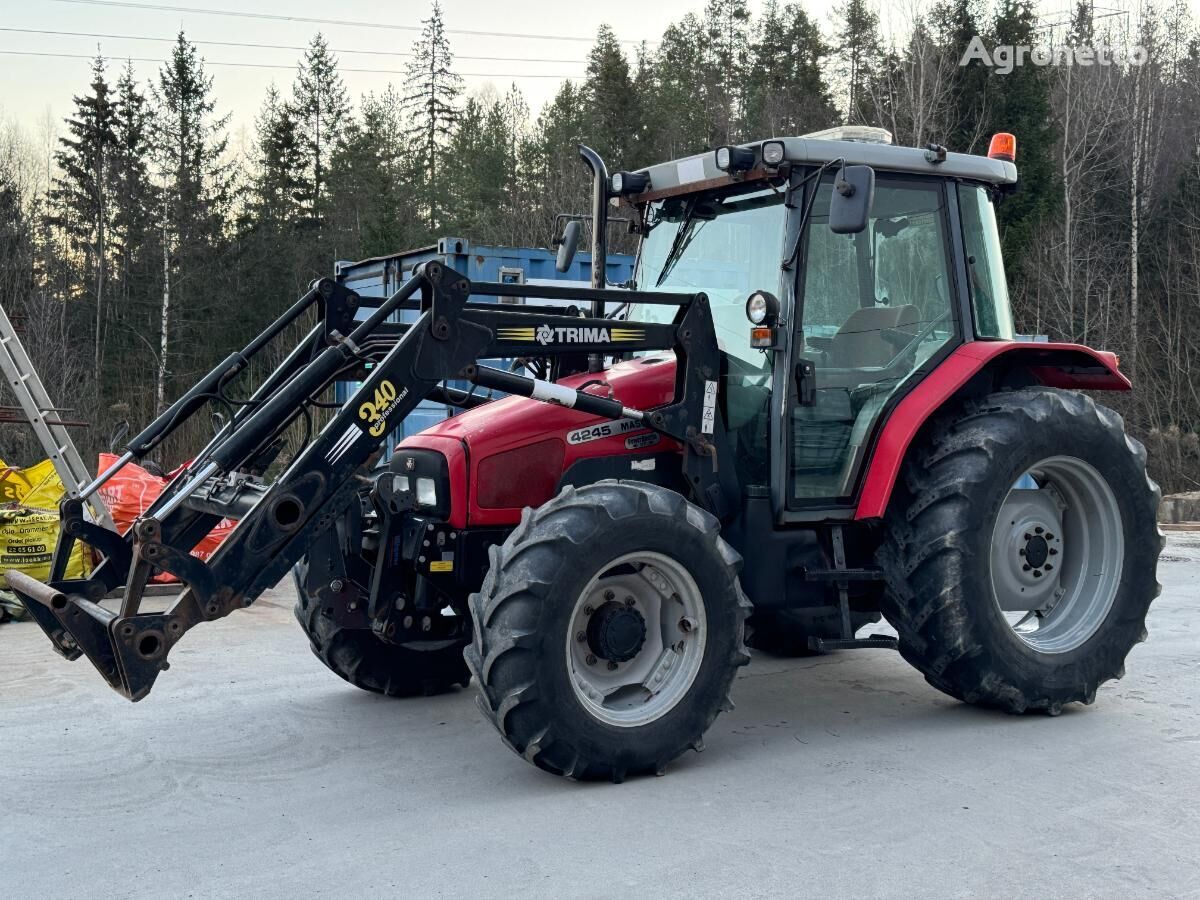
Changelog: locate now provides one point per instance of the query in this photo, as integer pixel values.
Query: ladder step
(875, 641)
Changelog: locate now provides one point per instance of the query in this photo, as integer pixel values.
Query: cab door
(878, 309)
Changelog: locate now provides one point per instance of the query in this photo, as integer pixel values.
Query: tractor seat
(859, 342)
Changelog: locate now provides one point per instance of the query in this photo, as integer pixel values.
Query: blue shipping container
(381, 276)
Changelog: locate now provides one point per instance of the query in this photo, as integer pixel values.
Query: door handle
(806, 382)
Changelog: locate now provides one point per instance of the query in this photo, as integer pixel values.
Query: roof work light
(772, 153)
(734, 159)
(625, 183)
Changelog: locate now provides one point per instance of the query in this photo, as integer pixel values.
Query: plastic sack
(29, 522)
(130, 492)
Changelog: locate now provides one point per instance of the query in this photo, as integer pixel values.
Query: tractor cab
(868, 263)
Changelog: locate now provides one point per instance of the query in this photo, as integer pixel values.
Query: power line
(352, 23)
(137, 37)
(209, 62)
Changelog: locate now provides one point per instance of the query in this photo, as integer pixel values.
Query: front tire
(1021, 550)
(608, 631)
(361, 658)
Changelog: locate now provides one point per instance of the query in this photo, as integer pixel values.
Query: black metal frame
(279, 521)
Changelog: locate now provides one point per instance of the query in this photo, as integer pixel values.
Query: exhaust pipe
(599, 236)
(599, 222)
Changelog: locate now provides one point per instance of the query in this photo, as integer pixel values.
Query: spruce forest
(146, 247)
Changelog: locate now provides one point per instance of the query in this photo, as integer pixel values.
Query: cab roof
(817, 149)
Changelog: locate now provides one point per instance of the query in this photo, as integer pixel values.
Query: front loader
(809, 411)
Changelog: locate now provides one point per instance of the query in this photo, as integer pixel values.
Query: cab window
(985, 265)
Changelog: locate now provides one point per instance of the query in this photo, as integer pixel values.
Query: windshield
(726, 246)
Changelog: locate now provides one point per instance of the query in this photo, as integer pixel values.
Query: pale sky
(32, 86)
(35, 89)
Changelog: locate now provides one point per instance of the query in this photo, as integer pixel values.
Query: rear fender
(1068, 366)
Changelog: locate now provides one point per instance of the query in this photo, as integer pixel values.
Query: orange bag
(130, 492)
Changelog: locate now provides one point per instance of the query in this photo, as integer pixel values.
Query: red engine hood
(484, 445)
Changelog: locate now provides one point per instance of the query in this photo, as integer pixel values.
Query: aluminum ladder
(31, 394)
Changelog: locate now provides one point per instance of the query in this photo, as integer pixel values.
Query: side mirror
(567, 245)
(850, 206)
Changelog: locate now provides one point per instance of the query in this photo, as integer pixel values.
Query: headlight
(761, 308)
(426, 492)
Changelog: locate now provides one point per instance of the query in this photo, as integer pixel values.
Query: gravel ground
(251, 771)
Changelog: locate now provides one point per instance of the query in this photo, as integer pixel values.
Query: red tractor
(808, 411)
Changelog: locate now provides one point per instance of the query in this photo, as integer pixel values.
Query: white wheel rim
(645, 687)
(1057, 555)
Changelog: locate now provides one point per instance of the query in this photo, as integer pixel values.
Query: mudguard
(1068, 366)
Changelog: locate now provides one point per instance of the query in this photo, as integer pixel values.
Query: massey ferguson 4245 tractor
(808, 410)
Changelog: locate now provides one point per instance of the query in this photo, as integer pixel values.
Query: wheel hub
(636, 639)
(1025, 558)
(616, 632)
(1037, 551)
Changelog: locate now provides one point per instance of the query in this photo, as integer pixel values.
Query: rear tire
(568, 690)
(356, 655)
(953, 551)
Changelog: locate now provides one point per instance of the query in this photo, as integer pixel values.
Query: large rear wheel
(608, 631)
(1021, 550)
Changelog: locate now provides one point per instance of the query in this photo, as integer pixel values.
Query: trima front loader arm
(280, 520)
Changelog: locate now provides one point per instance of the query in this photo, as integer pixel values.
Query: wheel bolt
(580, 637)
(629, 601)
(1037, 573)
(608, 595)
(590, 660)
(1049, 536)
(612, 666)
(1026, 567)
(1049, 566)
(687, 625)
(1028, 536)
(1053, 552)
(1039, 529)
(1021, 552)
(588, 610)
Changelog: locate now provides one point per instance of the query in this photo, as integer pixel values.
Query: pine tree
(190, 142)
(321, 109)
(676, 109)
(859, 54)
(431, 99)
(727, 29)
(1019, 102)
(611, 102)
(81, 194)
(787, 92)
(954, 23)
(373, 209)
(136, 209)
(279, 185)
